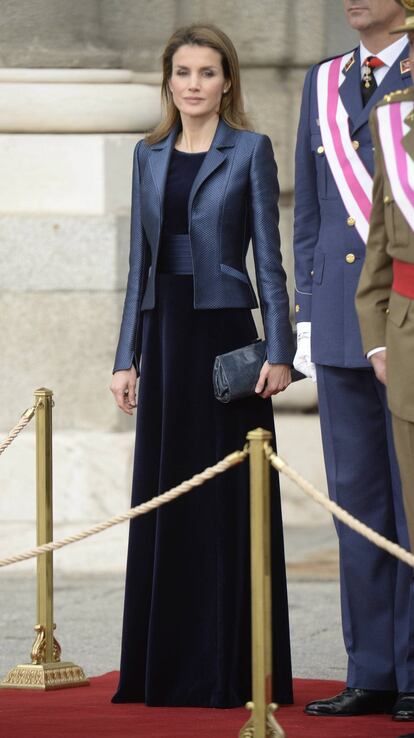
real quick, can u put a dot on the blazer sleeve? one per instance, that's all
(270, 275)
(128, 350)
(307, 214)
(375, 283)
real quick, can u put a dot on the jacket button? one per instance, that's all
(350, 221)
(355, 144)
(297, 308)
(387, 199)
(350, 258)
(387, 311)
(320, 150)
(312, 273)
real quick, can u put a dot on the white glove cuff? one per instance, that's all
(303, 330)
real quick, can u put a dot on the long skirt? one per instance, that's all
(187, 627)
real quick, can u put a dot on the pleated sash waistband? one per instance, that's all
(175, 255)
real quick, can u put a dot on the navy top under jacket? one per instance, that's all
(233, 199)
(325, 282)
(182, 172)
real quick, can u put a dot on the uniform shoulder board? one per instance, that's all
(397, 96)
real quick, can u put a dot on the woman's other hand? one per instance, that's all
(273, 378)
(123, 388)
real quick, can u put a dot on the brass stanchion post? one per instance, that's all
(46, 671)
(262, 723)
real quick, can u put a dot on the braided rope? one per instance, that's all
(197, 480)
(24, 420)
(345, 517)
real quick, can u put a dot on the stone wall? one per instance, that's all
(64, 198)
(62, 292)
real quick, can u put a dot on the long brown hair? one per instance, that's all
(231, 106)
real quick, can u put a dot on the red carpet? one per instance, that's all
(87, 713)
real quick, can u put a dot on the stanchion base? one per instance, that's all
(272, 729)
(54, 675)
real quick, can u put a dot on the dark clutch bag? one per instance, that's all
(235, 374)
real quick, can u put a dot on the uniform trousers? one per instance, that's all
(377, 591)
(404, 446)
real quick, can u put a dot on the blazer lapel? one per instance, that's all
(159, 162)
(350, 90)
(393, 80)
(216, 155)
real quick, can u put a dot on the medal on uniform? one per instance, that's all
(367, 77)
(370, 63)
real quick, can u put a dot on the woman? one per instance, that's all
(203, 184)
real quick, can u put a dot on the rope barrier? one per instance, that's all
(345, 517)
(24, 420)
(237, 457)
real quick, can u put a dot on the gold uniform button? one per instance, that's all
(355, 144)
(350, 258)
(387, 199)
(350, 221)
(297, 308)
(387, 311)
(320, 150)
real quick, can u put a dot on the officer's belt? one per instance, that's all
(403, 281)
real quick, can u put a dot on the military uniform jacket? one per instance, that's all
(386, 317)
(329, 252)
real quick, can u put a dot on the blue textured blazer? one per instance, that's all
(233, 199)
(325, 281)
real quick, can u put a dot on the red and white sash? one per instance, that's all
(353, 180)
(399, 165)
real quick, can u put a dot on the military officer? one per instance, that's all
(385, 295)
(386, 289)
(334, 171)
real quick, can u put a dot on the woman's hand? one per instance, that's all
(273, 378)
(123, 388)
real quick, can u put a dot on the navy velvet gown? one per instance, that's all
(186, 633)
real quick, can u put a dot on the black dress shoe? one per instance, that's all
(404, 707)
(353, 702)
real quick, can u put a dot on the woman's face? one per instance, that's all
(197, 81)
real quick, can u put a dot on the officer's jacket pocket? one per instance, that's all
(318, 152)
(318, 266)
(398, 308)
(396, 225)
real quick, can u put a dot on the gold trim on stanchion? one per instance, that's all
(261, 723)
(46, 670)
